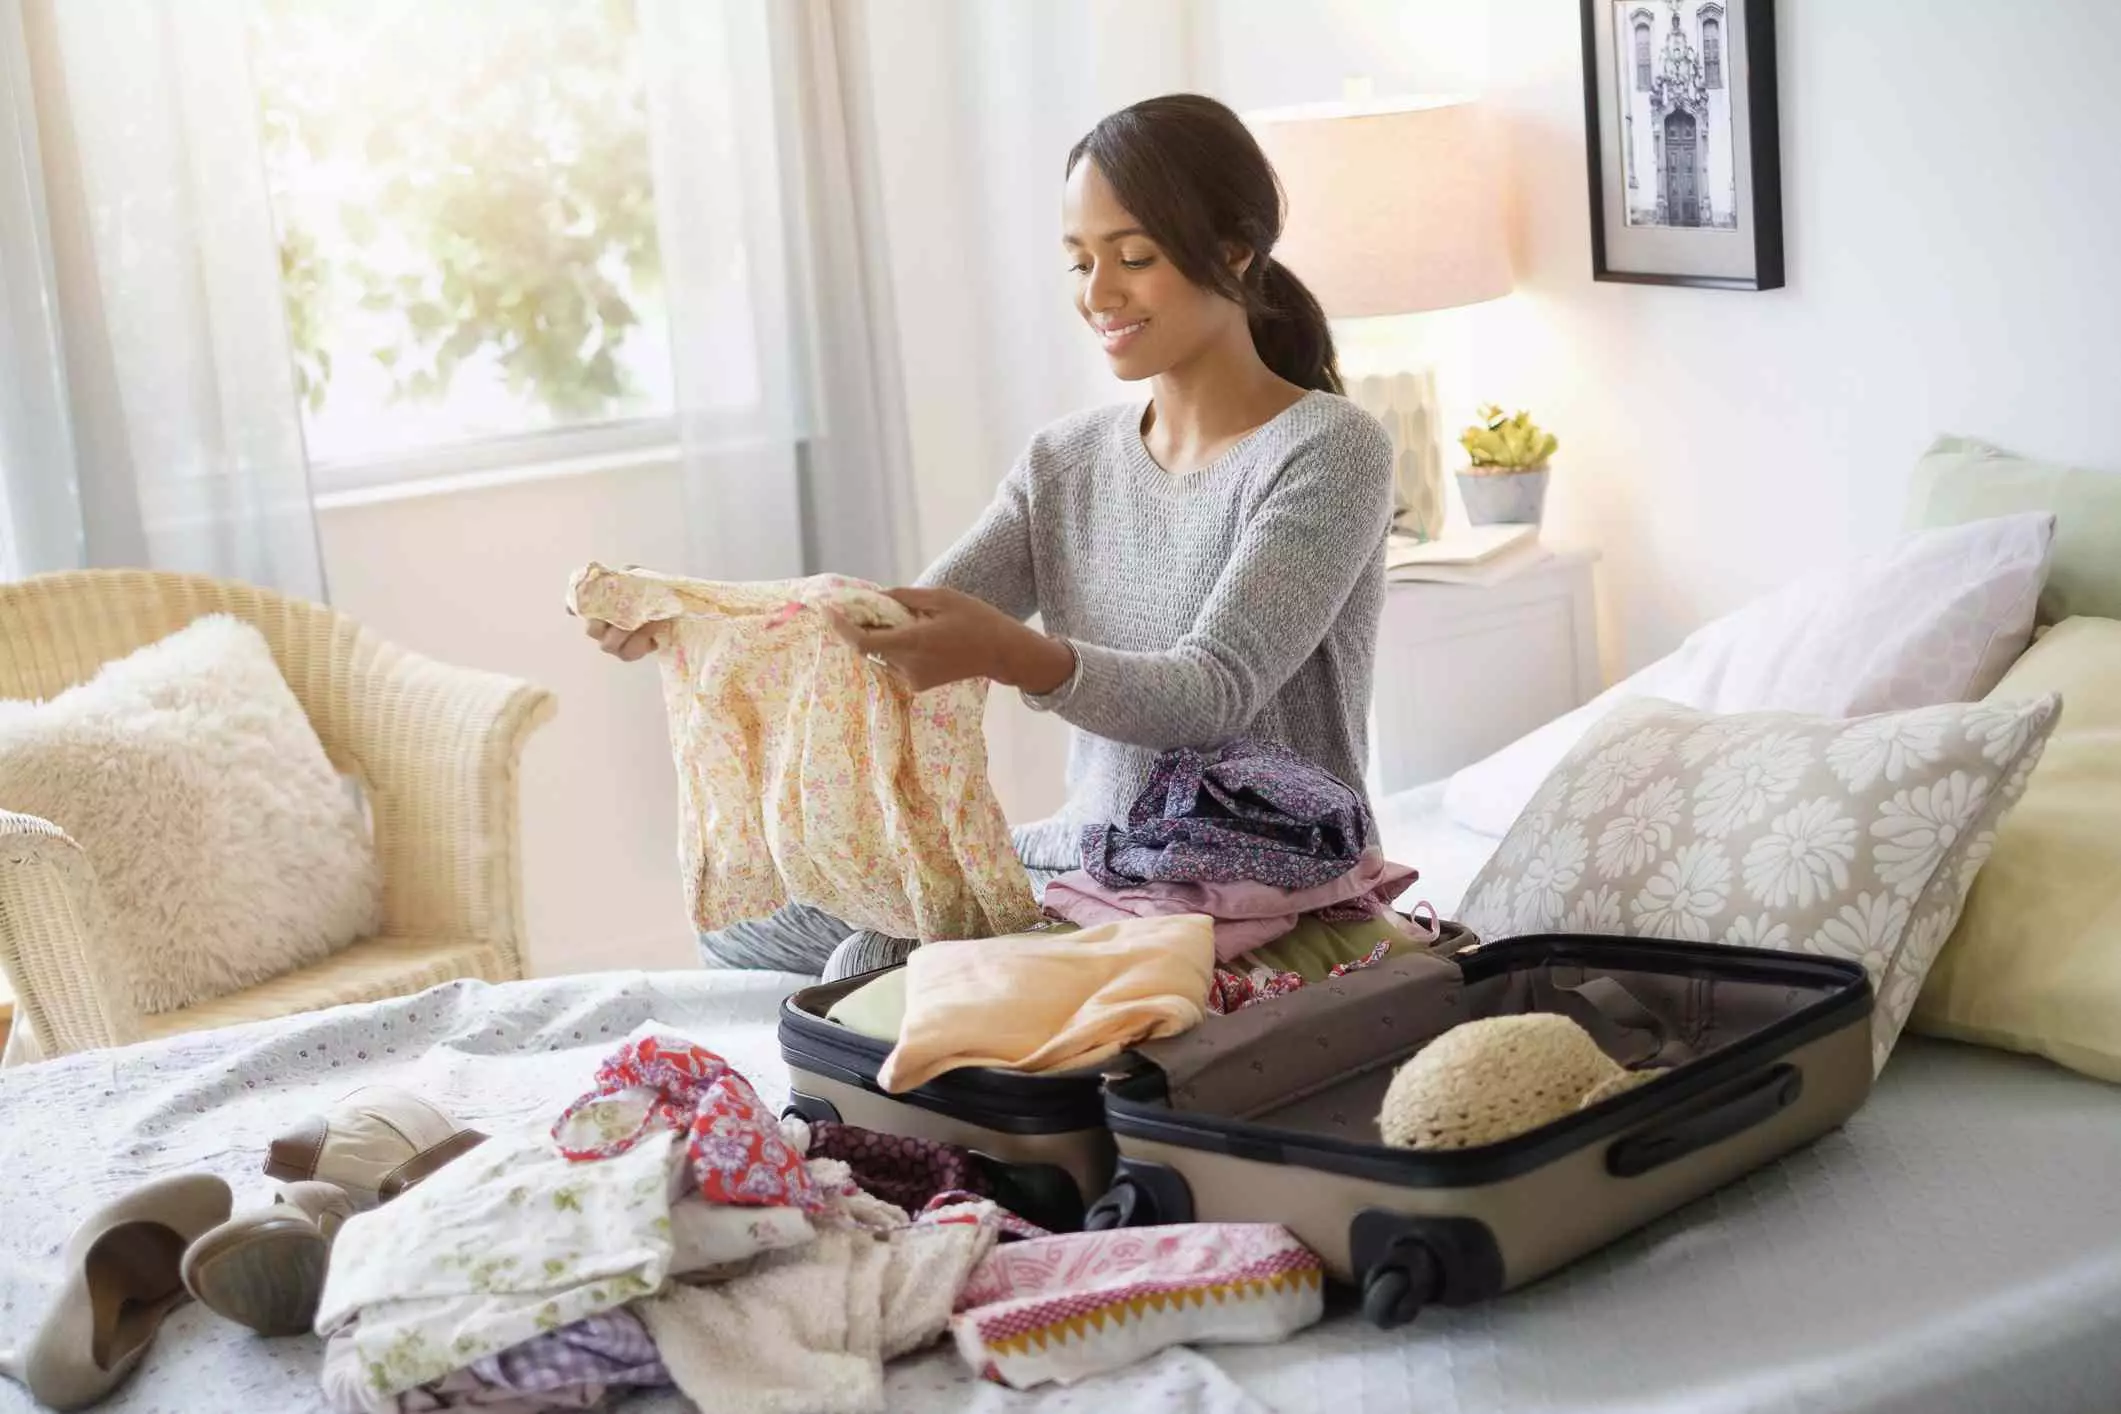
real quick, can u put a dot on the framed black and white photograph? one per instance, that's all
(1680, 125)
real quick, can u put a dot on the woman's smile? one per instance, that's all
(1116, 336)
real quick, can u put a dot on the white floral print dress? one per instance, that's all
(808, 773)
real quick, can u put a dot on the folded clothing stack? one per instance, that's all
(1247, 810)
(1269, 846)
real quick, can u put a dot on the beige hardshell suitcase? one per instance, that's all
(1269, 1115)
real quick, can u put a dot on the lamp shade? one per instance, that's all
(1393, 208)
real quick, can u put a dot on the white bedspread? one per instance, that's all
(1415, 829)
(1956, 1247)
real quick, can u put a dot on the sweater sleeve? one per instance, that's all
(1315, 533)
(992, 560)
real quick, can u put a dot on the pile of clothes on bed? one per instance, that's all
(664, 1229)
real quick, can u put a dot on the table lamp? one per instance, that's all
(1394, 207)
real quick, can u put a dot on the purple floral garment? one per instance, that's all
(577, 1366)
(905, 1172)
(1249, 810)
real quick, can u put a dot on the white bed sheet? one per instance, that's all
(1416, 830)
(1956, 1247)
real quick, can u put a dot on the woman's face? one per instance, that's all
(1145, 313)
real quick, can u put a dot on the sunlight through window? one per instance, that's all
(466, 219)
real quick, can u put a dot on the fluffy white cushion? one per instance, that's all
(1938, 618)
(225, 847)
(1855, 839)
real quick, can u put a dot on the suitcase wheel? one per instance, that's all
(1142, 1195)
(1394, 1291)
(811, 1108)
(1407, 1261)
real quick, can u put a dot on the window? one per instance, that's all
(1712, 53)
(467, 230)
(1642, 54)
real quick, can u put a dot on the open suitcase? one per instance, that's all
(1269, 1115)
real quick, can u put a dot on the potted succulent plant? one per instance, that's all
(1507, 480)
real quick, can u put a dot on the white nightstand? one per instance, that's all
(1463, 670)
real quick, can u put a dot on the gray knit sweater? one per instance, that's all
(1240, 599)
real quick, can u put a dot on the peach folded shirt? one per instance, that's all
(1050, 1001)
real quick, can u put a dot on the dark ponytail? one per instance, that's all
(1189, 170)
(1290, 331)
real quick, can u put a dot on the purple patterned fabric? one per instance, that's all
(611, 1348)
(575, 1367)
(1249, 810)
(904, 1172)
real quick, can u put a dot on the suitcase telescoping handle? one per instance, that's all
(1717, 1116)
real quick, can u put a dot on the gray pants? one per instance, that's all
(809, 940)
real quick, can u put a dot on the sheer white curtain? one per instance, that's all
(182, 439)
(791, 460)
(40, 511)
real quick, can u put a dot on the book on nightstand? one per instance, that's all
(1467, 554)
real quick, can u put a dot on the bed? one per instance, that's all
(1414, 827)
(1956, 1247)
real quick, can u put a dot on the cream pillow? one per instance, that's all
(1939, 617)
(225, 847)
(2035, 963)
(1852, 838)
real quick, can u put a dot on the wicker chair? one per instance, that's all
(436, 748)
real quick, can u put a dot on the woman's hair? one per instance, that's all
(1187, 168)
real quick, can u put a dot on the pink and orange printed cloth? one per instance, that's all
(1064, 1308)
(807, 773)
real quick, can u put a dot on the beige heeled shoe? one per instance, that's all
(265, 1269)
(375, 1143)
(122, 1280)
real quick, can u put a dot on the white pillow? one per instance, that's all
(1938, 618)
(1852, 839)
(225, 846)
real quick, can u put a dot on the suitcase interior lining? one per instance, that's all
(1710, 1015)
(1323, 1067)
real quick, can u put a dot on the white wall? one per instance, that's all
(480, 578)
(1272, 53)
(1951, 207)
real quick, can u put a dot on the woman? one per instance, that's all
(1207, 564)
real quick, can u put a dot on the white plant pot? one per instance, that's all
(1507, 498)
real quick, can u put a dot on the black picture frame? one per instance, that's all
(1763, 150)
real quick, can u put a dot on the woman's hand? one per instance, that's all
(953, 637)
(627, 645)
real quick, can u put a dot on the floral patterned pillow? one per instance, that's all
(1853, 838)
